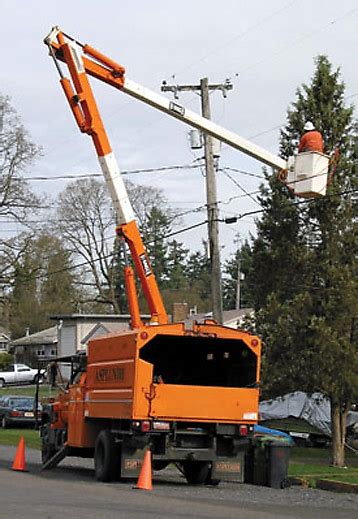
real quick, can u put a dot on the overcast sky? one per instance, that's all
(266, 48)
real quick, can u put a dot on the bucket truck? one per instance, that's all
(190, 394)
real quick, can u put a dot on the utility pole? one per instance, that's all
(212, 207)
(238, 285)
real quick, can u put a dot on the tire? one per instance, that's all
(47, 448)
(4, 422)
(2, 382)
(47, 451)
(196, 472)
(106, 457)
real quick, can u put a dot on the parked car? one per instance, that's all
(21, 374)
(19, 411)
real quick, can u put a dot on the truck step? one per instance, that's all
(56, 459)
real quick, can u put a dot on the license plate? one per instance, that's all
(29, 415)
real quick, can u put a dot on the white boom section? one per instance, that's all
(117, 189)
(197, 121)
(109, 165)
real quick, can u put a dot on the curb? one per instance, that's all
(336, 486)
(296, 481)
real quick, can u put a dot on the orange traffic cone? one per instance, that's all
(19, 461)
(145, 476)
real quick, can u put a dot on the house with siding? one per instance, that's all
(4, 340)
(39, 346)
(75, 330)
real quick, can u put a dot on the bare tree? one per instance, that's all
(16, 198)
(87, 223)
(16, 153)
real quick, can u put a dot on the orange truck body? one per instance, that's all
(189, 395)
(194, 390)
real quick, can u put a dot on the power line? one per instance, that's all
(186, 229)
(297, 41)
(106, 256)
(244, 172)
(235, 38)
(125, 172)
(189, 211)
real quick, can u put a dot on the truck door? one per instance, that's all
(22, 374)
(10, 374)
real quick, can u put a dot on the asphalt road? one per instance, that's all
(70, 491)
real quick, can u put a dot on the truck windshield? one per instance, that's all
(201, 361)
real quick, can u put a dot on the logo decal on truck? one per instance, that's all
(132, 464)
(145, 264)
(109, 374)
(227, 466)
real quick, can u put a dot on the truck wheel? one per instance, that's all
(47, 448)
(47, 451)
(2, 382)
(196, 472)
(4, 423)
(106, 457)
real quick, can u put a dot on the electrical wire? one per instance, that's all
(92, 175)
(235, 38)
(299, 40)
(234, 181)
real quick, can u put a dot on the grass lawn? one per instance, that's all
(32, 438)
(312, 464)
(12, 437)
(44, 392)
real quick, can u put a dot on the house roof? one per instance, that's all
(104, 328)
(229, 316)
(4, 335)
(95, 317)
(48, 336)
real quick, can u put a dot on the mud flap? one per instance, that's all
(229, 469)
(131, 461)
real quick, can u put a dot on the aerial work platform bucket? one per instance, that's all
(308, 174)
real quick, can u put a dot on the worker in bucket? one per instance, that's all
(311, 140)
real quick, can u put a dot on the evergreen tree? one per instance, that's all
(44, 285)
(116, 274)
(154, 232)
(57, 292)
(278, 254)
(306, 314)
(176, 257)
(24, 305)
(197, 271)
(241, 258)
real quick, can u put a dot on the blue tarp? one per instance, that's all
(259, 429)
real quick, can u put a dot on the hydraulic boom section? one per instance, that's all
(84, 108)
(305, 175)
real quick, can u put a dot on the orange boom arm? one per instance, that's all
(84, 108)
